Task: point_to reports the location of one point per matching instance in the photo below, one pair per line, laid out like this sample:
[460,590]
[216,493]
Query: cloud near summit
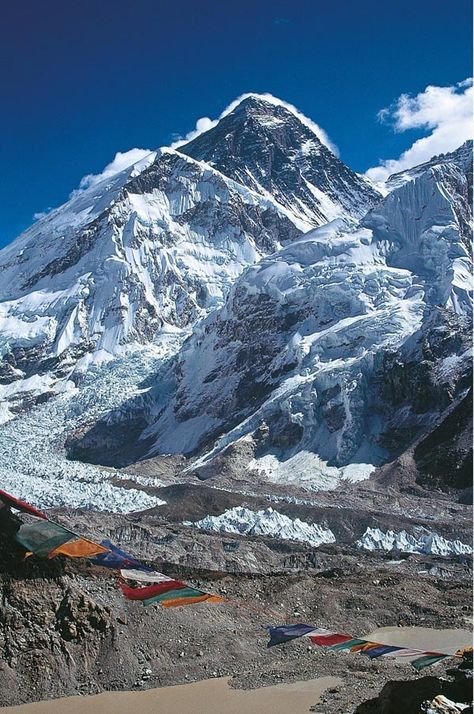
[205,123]
[121,161]
[445,112]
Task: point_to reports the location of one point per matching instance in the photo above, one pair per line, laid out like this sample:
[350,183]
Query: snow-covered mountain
[160,244]
[245,289]
[300,359]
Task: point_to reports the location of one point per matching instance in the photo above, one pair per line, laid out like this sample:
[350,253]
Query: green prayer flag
[347,645]
[173,595]
[42,537]
[426,661]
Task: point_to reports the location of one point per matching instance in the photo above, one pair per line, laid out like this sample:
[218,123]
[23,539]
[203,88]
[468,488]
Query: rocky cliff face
[266,147]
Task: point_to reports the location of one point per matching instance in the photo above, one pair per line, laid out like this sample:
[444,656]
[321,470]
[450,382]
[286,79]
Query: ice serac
[426,222]
[270,523]
[303,358]
[421,542]
[264,145]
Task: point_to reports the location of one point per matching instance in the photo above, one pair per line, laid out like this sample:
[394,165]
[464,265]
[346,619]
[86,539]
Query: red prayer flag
[150,590]
[20,505]
[328,640]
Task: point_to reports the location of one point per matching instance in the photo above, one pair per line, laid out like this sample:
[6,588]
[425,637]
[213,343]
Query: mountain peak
[270,147]
[253,101]
[260,104]
[267,113]
[265,106]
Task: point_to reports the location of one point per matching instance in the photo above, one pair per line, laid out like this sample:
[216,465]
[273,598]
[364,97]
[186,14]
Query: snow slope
[158,257]
[170,242]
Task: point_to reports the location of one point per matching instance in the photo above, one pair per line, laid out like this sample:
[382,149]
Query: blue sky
[81,81]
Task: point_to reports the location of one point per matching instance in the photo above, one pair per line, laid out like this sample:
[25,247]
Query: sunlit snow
[429,543]
[267,523]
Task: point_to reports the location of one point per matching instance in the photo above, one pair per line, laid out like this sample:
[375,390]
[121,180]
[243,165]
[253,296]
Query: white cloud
[204,124]
[41,214]
[121,161]
[446,112]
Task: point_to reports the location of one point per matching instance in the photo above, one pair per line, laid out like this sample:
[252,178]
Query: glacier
[33,461]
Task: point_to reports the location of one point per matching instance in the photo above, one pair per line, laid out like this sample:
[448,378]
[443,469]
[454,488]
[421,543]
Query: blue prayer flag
[117,558]
[285,633]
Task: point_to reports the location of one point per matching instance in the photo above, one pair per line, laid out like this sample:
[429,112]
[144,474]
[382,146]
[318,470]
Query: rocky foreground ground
[66,629]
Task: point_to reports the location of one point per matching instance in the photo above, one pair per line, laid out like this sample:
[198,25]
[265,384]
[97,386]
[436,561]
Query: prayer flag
[427,660]
[349,645]
[338,641]
[193,600]
[20,505]
[79,548]
[41,537]
[329,640]
[117,558]
[181,592]
[152,576]
[285,633]
[151,590]
[378,650]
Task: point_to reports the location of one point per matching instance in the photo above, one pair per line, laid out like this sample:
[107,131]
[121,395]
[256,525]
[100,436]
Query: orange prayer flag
[80,548]
[364,646]
[190,600]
